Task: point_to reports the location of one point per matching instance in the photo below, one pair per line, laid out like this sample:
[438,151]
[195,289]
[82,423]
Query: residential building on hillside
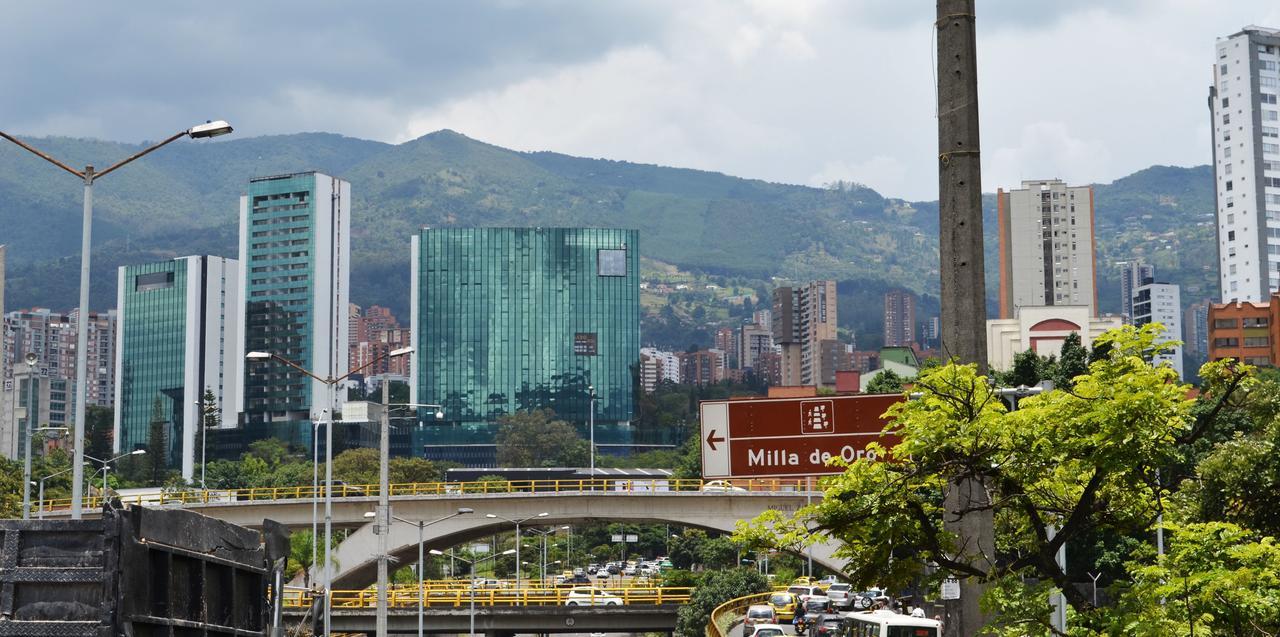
[899,318]
[1245,119]
[703,367]
[753,340]
[1161,303]
[179,335]
[803,317]
[101,359]
[376,334]
[727,341]
[295,270]
[1046,247]
[1195,328]
[657,367]
[1132,274]
[31,399]
[1042,329]
[1246,331]
[768,367]
[509,319]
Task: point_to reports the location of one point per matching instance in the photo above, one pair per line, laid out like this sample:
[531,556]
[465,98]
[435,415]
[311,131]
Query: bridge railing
[725,615]
[524,596]
[629,485]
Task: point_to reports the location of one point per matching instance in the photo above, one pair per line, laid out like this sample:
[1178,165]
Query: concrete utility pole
[964,309]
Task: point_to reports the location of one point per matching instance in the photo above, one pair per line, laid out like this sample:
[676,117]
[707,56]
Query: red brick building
[1245,331]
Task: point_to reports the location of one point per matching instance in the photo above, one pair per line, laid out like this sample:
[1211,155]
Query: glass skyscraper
[508,319]
[177,335]
[295,246]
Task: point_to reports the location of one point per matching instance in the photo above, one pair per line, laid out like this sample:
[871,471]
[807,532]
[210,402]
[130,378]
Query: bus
[886,623]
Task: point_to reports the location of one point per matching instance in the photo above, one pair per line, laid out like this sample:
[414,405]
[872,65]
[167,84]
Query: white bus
[886,623]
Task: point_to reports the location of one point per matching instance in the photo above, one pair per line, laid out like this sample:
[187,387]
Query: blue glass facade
[152,356]
[511,319]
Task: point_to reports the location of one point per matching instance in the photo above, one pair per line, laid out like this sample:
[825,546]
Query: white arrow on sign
[715,444]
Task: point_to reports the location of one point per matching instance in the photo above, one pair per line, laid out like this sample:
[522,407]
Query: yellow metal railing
[523,596]
[724,615]
[598,485]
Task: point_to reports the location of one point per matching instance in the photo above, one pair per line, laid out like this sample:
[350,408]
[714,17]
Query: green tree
[886,382]
[1239,482]
[406,470]
[716,588]
[356,466]
[1073,361]
[1029,368]
[1078,461]
[99,426]
[533,439]
[1216,579]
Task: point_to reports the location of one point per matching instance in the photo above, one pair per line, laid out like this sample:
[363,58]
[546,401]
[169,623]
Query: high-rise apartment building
[727,342]
[512,319]
[295,256]
[754,340]
[51,336]
[658,366]
[899,319]
[1195,327]
[1246,162]
[178,339]
[1132,274]
[803,317]
[31,399]
[1045,233]
[1161,303]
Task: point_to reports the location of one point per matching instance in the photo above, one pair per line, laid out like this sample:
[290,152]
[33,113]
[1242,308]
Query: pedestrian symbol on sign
[816,416]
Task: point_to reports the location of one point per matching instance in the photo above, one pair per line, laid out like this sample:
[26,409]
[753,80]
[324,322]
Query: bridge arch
[357,555]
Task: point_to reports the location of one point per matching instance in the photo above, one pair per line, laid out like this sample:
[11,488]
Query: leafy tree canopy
[533,439]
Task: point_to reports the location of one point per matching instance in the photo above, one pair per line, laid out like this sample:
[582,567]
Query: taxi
[784,605]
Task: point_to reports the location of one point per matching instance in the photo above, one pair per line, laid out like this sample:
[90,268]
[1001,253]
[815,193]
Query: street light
[106,465]
[494,516]
[329,382]
[544,535]
[30,438]
[472,631]
[591,426]
[382,585]
[88,176]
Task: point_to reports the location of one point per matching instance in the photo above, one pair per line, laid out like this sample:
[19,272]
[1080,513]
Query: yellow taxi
[784,605]
[802,580]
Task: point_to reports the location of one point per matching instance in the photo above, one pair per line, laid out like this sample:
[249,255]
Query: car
[602,574]
[841,595]
[721,486]
[870,598]
[757,614]
[816,605]
[613,569]
[575,580]
[805,591]
[629,570]
[803,579]
[784,605]
[768,630]
[591,596]
[827,625]
[828,580]
[579,571]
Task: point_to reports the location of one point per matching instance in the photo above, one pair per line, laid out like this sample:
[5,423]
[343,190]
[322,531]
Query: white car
[721,486]
[591,596]
[768,630]
[602,574]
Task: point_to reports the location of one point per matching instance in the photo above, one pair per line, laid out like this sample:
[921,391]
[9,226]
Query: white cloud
[1046,150]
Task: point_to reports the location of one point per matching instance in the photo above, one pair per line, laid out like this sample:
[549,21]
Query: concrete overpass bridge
[712,506]
[505,621]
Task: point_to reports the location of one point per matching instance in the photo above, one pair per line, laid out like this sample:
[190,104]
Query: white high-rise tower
[1246,162]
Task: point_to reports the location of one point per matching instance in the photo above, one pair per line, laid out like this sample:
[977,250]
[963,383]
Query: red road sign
[775,437]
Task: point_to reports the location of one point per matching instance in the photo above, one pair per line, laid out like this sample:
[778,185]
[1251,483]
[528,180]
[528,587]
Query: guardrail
[529,585]
[524,596]
[602,486]
[726,614]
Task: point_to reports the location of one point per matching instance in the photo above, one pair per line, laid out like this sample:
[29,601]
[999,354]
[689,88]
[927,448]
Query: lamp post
[329,382]
[544,535]
[493,516]
[30,439]
[382,585]
[472,587]
[88,176]
[591,427]
[40,497]
[106,466]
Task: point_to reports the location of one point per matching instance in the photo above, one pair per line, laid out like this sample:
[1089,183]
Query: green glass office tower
[508,319]
[177,334]
[295,238]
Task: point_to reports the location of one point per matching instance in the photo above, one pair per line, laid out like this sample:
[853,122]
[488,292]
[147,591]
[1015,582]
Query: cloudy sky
[796,91]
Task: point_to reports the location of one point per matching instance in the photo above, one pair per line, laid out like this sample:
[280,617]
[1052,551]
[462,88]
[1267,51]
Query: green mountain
[185,200]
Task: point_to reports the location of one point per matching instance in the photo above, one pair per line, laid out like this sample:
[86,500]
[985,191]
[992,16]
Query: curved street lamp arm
[134,156]
[41,154]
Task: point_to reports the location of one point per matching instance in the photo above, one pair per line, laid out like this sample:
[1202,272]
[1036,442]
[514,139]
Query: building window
[1228,186]
[1226,119]
[1267,98]
[1226,342]
[1255,321]
[153,281]
[1257,341]
[1220,324]
[611,262]
[1225,103]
